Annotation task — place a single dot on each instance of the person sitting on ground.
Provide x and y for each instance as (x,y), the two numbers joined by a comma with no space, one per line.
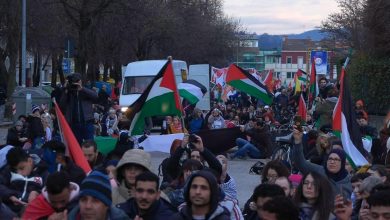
(35,128)
(17,136)
(202,199)
(132,163)
(176,126)
(95,200)
(261,194)
(94,157)
(279,208)
(22,180)
(379,205)
(215,120)
(146,203)
(272,170)
(314,197)
(334,169)
(258,144)
(55,157)
(58,197)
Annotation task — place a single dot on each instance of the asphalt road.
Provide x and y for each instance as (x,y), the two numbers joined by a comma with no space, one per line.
(238,169)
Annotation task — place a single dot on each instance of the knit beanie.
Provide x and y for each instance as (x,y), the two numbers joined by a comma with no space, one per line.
(34,108)
(97,185)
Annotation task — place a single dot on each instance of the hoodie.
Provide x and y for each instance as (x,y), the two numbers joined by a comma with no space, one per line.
(216,210)
(40,207)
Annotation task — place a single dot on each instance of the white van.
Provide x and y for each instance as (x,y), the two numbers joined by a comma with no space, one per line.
(138,76)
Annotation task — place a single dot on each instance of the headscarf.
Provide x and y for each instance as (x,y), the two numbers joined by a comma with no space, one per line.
(342,172)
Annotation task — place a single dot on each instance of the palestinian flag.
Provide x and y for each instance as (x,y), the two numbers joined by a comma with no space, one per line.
(346,127)
(244,81)
(268,81)
(161,97)
(302,75)
(313,84)
(192,90)
(300,79)
(302,108)
(70,141)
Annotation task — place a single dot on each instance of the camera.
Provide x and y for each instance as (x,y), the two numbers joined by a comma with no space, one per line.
(191,140)
(72,79)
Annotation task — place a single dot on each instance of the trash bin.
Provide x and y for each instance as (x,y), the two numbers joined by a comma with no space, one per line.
(24,98)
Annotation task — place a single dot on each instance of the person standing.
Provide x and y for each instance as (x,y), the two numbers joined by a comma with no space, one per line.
(76,104)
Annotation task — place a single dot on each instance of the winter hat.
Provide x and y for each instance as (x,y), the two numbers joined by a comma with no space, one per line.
(97,185)
(35,108)
(369,183)
(295,179)
(19,123)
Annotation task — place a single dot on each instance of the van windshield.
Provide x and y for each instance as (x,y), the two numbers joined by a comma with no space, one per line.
(136,84)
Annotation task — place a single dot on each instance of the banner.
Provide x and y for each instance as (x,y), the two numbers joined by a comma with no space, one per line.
(321,61)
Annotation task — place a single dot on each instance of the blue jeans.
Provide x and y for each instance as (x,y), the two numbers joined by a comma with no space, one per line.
(245,147)
(83,131)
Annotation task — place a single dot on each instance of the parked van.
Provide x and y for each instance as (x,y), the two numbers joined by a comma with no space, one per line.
(138,76)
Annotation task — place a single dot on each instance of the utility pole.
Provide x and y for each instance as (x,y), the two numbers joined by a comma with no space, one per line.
(23,64)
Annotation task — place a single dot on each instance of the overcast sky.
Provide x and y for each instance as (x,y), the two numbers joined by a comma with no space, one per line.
(280,16)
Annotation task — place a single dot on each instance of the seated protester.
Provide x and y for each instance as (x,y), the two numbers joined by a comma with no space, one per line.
(379,204)
(95,200)
(334,169)
(261,194)
(286,185)
(109,123)
(21,181)
(202,199)
(197,121)
(61,162)
(58,197)
(17,136)
(35,128)
(176,126)
(215,120)
(356,181)
(175,191)
(273,170)
(365,128)
(146,203)
(380,171)
(258,144)
(228,184)
(314,197)
(279,208)
(132,163)
(197,151)
(94,157)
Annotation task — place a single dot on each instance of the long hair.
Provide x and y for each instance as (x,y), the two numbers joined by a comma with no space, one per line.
(276,165)
(324,202)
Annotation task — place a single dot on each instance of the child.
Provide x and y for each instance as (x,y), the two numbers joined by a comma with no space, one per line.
(20,181)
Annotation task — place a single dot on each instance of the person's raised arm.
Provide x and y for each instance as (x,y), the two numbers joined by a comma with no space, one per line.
(207,155)
(299,160)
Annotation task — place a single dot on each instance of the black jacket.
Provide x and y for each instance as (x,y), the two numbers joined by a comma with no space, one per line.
(35,127)
(160,210)
(76,174)
(14,135)
(261,138)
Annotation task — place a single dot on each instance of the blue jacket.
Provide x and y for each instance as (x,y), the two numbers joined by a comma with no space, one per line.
(160,210)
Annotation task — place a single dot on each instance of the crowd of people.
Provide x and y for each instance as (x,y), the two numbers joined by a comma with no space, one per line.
(38,179)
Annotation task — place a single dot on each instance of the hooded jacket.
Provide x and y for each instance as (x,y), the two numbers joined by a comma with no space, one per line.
(160,210)
(134,156)
(40,207)
(216,210)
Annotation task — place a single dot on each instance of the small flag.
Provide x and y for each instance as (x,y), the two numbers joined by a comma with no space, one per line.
(192,90)
(268,81)
(302,108)
(244,81)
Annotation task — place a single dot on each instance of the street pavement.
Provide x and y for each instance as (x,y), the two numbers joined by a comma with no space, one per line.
(238,169)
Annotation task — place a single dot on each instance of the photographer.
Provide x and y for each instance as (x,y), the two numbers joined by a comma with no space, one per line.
(76,104)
